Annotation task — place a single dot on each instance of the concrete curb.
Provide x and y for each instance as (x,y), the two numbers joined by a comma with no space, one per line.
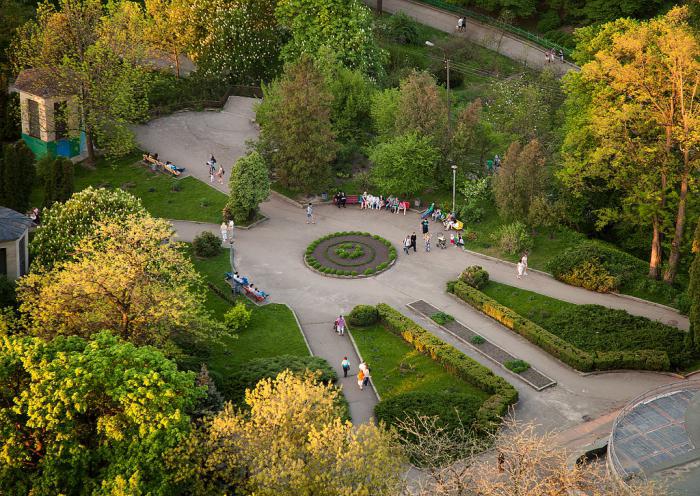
(301,329)
(476,348)
(259,221)
(280,196)
(357,350)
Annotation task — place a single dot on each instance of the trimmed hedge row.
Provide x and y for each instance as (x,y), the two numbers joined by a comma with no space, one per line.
(556,346)
(456,363)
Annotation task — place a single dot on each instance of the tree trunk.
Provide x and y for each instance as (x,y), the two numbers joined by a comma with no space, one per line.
(379,7)
(655,259)
(90,146)
(177,65)
(675,256)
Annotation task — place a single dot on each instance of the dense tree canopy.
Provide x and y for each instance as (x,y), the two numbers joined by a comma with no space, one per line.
(295,121)
(87,417)
(249,185)
(65,224)
(343,26)
(127,277)
(17,172)
(289,440)
(521,178)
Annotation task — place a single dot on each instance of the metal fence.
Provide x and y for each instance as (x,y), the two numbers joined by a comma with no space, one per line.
(484,19)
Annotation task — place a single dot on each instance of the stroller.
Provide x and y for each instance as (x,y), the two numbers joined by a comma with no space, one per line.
(441,241)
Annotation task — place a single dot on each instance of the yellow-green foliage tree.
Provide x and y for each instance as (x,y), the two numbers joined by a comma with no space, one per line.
(290,440)
(127,277)
(89,417)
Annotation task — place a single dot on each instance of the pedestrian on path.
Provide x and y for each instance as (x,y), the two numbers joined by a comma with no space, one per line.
(426,238)
(425,225)
(523,260)
(365,380)
(521,268)
(340,325)
(310,214)
(460,241)
(361,379)
(346,366)
(220,174)
(224,232)
(414,239)
(229,231)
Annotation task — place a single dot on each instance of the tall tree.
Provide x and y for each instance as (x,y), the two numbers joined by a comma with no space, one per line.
(58,180)
(295,124)
(85,417)
(521,178)
(17,174)
(289,440)
(127,277)
(64,225)
(249,186)
(343,26)
(645,74)
(88,58)
(473,139)
(169,29)
(694,294)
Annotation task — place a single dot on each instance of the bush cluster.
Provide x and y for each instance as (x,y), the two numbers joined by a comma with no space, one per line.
(512,238)
(475,276)
(206,245)
(237,318)
(517,366)
(454,410)
(558,347)
(442,318)
(363,315)
(596,266)
(233,386)
(456,363)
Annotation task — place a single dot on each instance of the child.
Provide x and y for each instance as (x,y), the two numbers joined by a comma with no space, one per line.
(361,379)
(460,241)
(346,366)
(452,239)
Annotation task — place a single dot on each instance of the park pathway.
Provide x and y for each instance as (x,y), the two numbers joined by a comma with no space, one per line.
(510,45)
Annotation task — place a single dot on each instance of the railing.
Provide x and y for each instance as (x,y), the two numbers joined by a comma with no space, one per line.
(484,19)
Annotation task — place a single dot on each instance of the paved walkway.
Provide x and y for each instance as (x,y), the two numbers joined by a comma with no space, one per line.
(526,52)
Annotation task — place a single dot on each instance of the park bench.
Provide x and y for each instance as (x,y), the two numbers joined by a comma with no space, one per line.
(243,288)
(250,293)
(162,166)
(349,200)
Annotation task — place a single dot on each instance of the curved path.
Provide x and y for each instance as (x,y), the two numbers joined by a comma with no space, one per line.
(272,255)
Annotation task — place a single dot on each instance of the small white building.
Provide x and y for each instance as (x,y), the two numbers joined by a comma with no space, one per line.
(14,243)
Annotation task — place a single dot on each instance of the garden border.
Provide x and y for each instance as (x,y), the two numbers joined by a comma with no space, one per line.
(482,352)
(390,262)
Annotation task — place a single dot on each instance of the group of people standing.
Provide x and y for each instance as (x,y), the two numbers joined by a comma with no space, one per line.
(362,372)
(462,24)
(215,171)
(552,55)
(227,231)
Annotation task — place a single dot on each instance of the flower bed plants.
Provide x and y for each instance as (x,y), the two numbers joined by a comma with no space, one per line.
(350,254)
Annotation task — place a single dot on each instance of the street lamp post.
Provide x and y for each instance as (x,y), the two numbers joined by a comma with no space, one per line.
(447,68)
(454,183)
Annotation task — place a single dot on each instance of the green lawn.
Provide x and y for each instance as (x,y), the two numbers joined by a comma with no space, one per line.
(592,327)
(398,368)
(163,196)
(272,331)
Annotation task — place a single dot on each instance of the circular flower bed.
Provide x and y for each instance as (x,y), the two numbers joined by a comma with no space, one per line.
(350,254)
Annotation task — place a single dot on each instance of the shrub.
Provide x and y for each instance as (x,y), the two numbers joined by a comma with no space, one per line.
(512,238)
(475,276)
(237,317)
(454,410)
(206,245)
(234,385)
(477,340)
(590,274)
(683,303)
(517,366)
(456,363)
(442,318)
(363,315)
(402,29)
(369,272)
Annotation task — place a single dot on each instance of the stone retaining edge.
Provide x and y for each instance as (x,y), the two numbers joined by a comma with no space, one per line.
(536,388)
(357,350)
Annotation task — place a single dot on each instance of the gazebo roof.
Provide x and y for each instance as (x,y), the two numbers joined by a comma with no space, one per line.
(12,224)
(38,82)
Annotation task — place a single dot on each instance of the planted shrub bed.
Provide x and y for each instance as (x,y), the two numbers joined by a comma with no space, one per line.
(350,254)
(496,394)
(586,337)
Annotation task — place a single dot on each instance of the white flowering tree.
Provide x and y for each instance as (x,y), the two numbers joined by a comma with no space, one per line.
(241,42)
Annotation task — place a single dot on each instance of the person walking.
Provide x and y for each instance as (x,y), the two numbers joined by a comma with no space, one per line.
(414,238)
(425,224)
(310,214)
(345,364)
(229,230)
(361,379)
(523,260)
(460,241)
(340,325)
(365,379)
(426,238)
(406,244)
(220,174)
(520,268)
(224,232)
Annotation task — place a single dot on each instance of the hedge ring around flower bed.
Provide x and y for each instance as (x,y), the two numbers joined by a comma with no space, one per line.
(350,254)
